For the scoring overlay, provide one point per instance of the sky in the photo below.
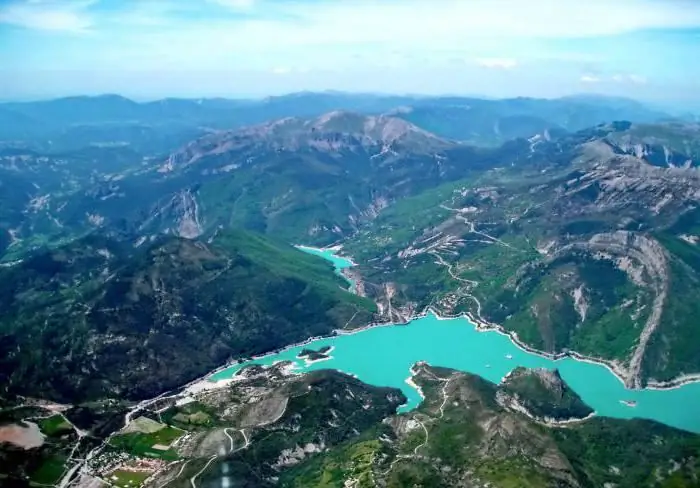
(146, 49)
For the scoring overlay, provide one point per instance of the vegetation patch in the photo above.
(128, 479)
(352, 461)
(191, 415)
(151, 444)
(143, 425)
(56, 425)
(50, 471)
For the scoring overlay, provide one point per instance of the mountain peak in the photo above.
(380, 129)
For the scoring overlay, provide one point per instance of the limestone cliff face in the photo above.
(178, 215)
(188, 221)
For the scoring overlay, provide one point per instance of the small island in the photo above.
(311, 355)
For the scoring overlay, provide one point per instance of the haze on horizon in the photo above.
(644, 49)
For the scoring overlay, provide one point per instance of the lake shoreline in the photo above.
(481, 325)
(207, 381)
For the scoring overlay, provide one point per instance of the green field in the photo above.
(128, 479)
(55, 425)
(142, 444)
(50, 471)
(190, 416)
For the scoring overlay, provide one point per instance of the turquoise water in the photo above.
(383, 356)
(339, 262)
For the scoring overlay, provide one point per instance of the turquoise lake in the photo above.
(383, 356)
(338, 262)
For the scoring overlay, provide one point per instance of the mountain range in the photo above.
(144, 244)
(74, 122)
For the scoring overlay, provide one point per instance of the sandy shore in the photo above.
(409, 381)
(549, 422)
(674, 383)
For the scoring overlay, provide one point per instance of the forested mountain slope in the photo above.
(97, 318)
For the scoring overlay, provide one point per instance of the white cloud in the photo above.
(471, 43)
(235, 4)
(442, 21)
(326, 35)
(417, 21)
(281, 70)
(617, 78)
(48, 15)
(497, 63)
(638, 79)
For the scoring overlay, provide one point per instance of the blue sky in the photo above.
(646, 49)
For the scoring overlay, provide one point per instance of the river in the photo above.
(383, 356)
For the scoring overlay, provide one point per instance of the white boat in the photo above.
(509, 356)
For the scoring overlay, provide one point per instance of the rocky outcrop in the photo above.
(543, 395)
(178, 214)
(188, 225)
(619, 183)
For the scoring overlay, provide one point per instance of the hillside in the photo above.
(33, 185)
(326, 429)
(97, 318)
(664, 145)
(544, 395)
(577, 245)
(304, 180)
(466, 433)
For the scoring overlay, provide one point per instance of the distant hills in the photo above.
(67, 123)
(492, 122)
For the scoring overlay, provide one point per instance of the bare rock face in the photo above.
(180, 215)
(672, 145)
(610, 182)
(188, 222)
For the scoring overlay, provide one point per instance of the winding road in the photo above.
(441, 409)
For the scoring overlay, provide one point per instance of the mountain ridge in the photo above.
(49, 118)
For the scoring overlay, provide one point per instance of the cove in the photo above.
(383, 356)
(338, 262)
